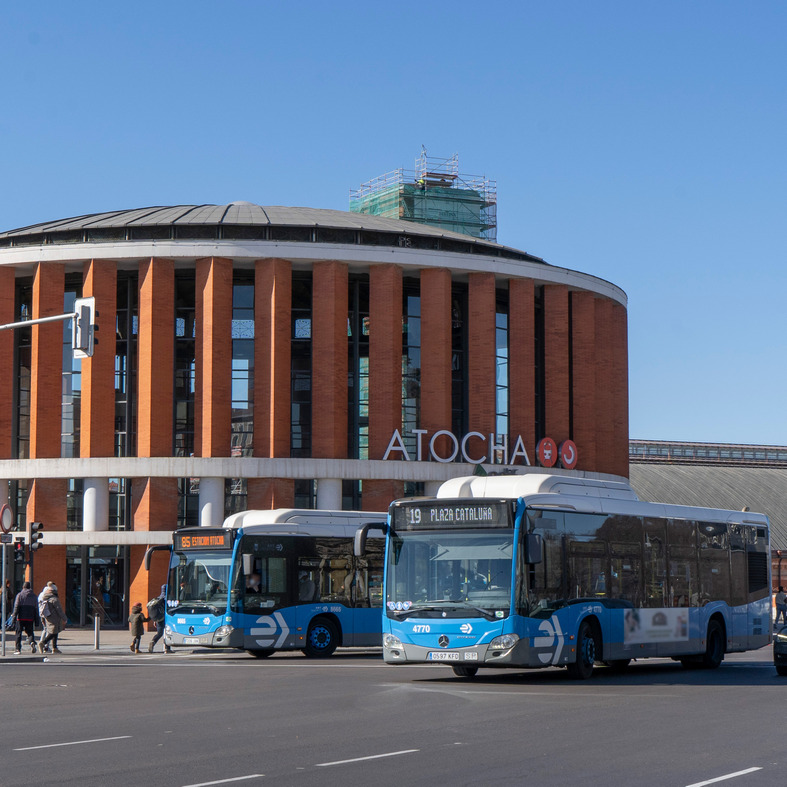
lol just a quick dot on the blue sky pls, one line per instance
(642, 142)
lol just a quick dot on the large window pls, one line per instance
(411, 362)
(185, 382)
(242, 365)
(501, 365)
(301, 365)
(72, 380)
(358, 368)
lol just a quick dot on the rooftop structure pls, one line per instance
(434, 193)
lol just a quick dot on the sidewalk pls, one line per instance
(81, 642)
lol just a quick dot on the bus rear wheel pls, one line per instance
(465, 672)
(260, 654)
(322, 639)
(714, 646)
(588, 650)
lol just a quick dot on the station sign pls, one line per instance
(459, 514)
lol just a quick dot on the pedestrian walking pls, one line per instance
(42, 648)
(136, 624)
(781, 605)
(24, 615)
(53, 618)
(156, 612)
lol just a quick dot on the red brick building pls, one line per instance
(276, 357)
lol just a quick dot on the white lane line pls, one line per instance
(226, 781)
(371, 757)
(724, 778)
(73, 743)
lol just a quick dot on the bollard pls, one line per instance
(96, 632)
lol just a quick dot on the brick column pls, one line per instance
(436, 352)
(556, 363)
(481, 361)
(329, 360)
(97, 424)
(605, 433)
(47, 499)
(522, 364)
(385, 377)
(155, 500)
(272, 378)
(620, 391)
(213, 348)
(583, 359)
(7, 296)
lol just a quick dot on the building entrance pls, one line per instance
(96, 586)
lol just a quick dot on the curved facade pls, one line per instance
(275, 357)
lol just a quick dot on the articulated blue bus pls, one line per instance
(277, 580)
(543, 570)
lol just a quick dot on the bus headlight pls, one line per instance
(224, 631)
(504, 642)
(390, 642)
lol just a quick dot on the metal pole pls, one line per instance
(96, 631)
(4, 607)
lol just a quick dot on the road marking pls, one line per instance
(361, 759)
(725, 777)
(73, 743)
(226, 781)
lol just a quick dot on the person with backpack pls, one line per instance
(156, 609)
(54, 618)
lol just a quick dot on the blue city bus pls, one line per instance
(285, 579)
(541, 570)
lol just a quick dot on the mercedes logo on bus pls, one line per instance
(443, 641)
(191, 629)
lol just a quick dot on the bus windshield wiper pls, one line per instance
(440, 605)
(196, 605)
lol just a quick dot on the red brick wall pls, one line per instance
(97, 424)
(584, 393)
(619, 392)
(481, 363)
(329, 360)
(155, 357)
(436, 352)
(521, 367)
(556, 371)
(213, 396)
(7, 295)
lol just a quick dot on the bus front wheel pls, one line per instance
(465, 672)
(321, 639)
(260, 654)
(588, 650)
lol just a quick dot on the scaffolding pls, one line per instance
(433, 193)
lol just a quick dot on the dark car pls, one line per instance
(780, 651)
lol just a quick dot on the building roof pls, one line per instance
(183, 218)
(762, 489)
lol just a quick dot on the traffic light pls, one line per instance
(19, 551)
(83, 335)
(36, 535)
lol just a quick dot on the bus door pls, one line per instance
(367, 593)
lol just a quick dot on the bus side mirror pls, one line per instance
(359, 544)
(533, 548)
(150, 550)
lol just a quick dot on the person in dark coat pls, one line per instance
(157, 615)
(24, 615)
(136, 625)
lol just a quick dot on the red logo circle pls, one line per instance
(568, 454)
(546, 452)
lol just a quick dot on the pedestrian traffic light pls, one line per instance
(19, 551)
(36, 535)
(83, 335)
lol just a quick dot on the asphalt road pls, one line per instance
(203, 719)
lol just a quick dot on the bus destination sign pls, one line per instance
(208, 539)
(452, 514)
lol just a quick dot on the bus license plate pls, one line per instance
(191, 640)
(442, 655)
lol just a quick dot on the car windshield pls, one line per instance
(450, 574)
(199, 580)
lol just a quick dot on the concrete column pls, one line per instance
(329, 494)
(211, 502)
(95, 504)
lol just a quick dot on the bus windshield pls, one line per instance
(199, 580)
(450, 574)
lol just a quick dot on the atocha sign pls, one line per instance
(492, 449)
